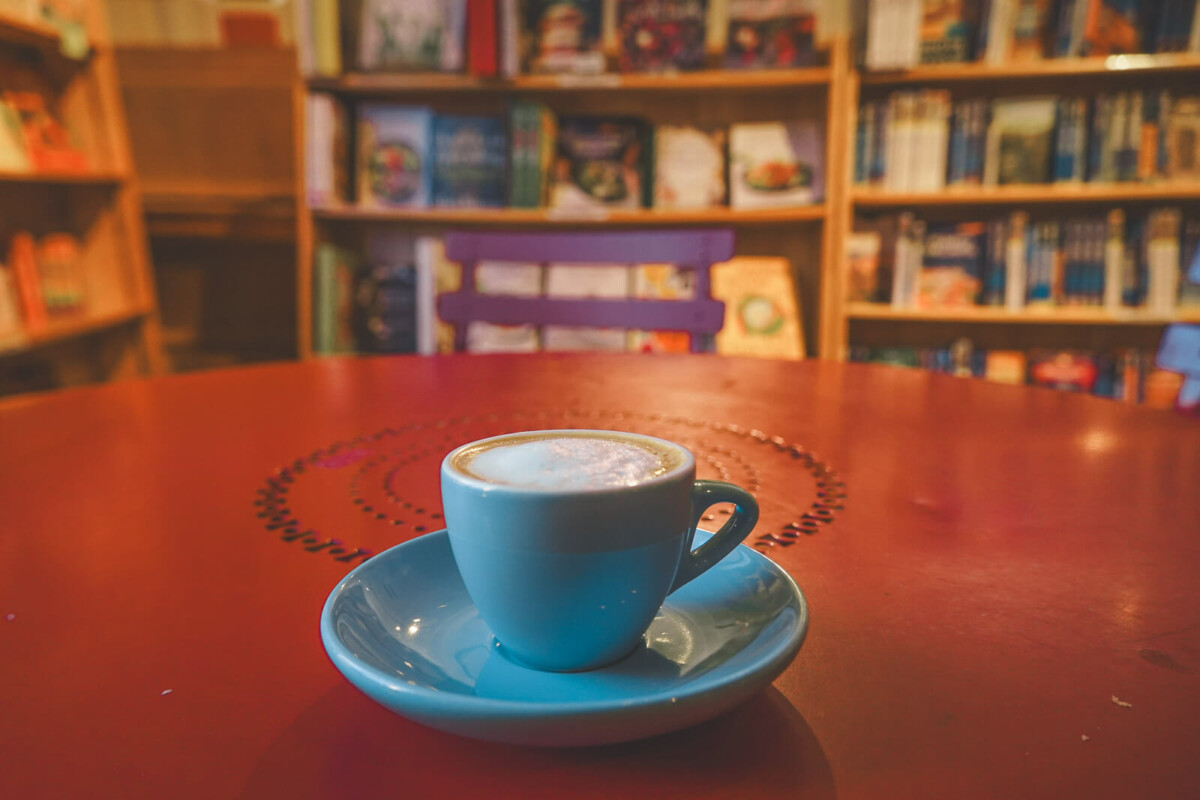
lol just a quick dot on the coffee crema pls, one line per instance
(568, 461)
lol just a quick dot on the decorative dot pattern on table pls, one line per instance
(354, 498)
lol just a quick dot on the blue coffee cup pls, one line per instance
(570, 578)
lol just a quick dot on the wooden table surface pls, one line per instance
(990, 569)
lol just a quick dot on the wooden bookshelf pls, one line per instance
(1109, 66)
(1033, 194)
(555, 218)
(383, 83)
(1060, 315)
(116, 333)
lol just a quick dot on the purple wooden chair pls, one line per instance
(696, 250)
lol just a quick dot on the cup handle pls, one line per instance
(745, 514)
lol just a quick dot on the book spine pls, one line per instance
(1062, 29)
(1062, 155)
(997, 247)
(1163, 255)
(956, 170)
(1015, 261)
(907, 261)
(941, 138)
(991, 159)
(1114, 138)
(1039, 290)
(1114, 259)
(482, 58)
(862, 144)
(883, 143)
(1131, 138)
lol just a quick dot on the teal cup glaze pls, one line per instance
(570, 579)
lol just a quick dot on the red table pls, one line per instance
(990, 569)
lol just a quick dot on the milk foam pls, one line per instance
(568, 462)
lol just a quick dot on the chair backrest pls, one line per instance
(695, 250)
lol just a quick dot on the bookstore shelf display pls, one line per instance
(526, 119)
(76, 295)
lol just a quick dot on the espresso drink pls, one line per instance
(566, 461)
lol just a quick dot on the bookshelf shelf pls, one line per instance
(1109, 66)
(1047, 316)
(735, 80)
(99, 178)
(550, 218)
(67, 329)
(1032, 194)
(27, 33)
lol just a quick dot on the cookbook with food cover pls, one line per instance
(600, 163)
(774, 164)
(689, 166)
(394, 164)
(661, 35)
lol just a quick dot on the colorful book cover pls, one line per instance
(412, 35)
(609, 281)
(761, 312)
(1111, 27)
(910, 243)
(770, 33)
(436, 275)
(600, 164)
(661, 282)
(773, 164)
(661, 35)
(394, 160)
(508, 278)
(945, 31)
(470, 158)
(994, 268)
(862, 266)
(1020, 140)
(564, 36)
(1064, 370)
(689, 166)
(951, 266)
(385, 314)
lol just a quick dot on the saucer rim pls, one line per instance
(777, 659)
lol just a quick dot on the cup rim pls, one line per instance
(686, 466)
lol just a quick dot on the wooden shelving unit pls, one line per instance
(805, 235)
(878, 322)
(117, 333)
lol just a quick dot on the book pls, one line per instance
(60, 269)
(761, 312)
(22, 260)
(334, 281)
(482, 31)
(470, 160)
(394, 156)
(436, 275)
(689, 166)
(945, 32)
(1005, 366)
(660, 282)
(763, 34)
(1020, 140)
(13, 157)
(564, 36)
(1030, 25)
(1016, 261)
(774, 164)
(910, 241)
(600, 163)
(1183, 139)
(1064, 370)
(327, 150)
(610, 281)
(1111, 27)
(1163, 231)
(661, 35)
(506, 278)
(10, 311)
(412, 35)
(952, 263)
(862, 266)
(47, 144)
(385, 313)
(995, 265)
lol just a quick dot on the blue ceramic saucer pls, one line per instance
(402, 628)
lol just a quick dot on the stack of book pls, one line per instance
(411, 157)
(1116, 262)
(1126, 374)
(921, 141)
(905, 33)
(384, 299)
(505, 38)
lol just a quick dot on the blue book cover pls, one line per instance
(1062, 156)
(977, 141)
(862, 143)
(1062, 28)
(470, 159)
(994, 267)
(394, 155)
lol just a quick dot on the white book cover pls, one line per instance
(909, 40)
(1162, 260)
(910, 247)
(940, 149)
(320, 130)
(581, 281)
(429, 250)
(1015, 267)
(999, 33)
(305, 48)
